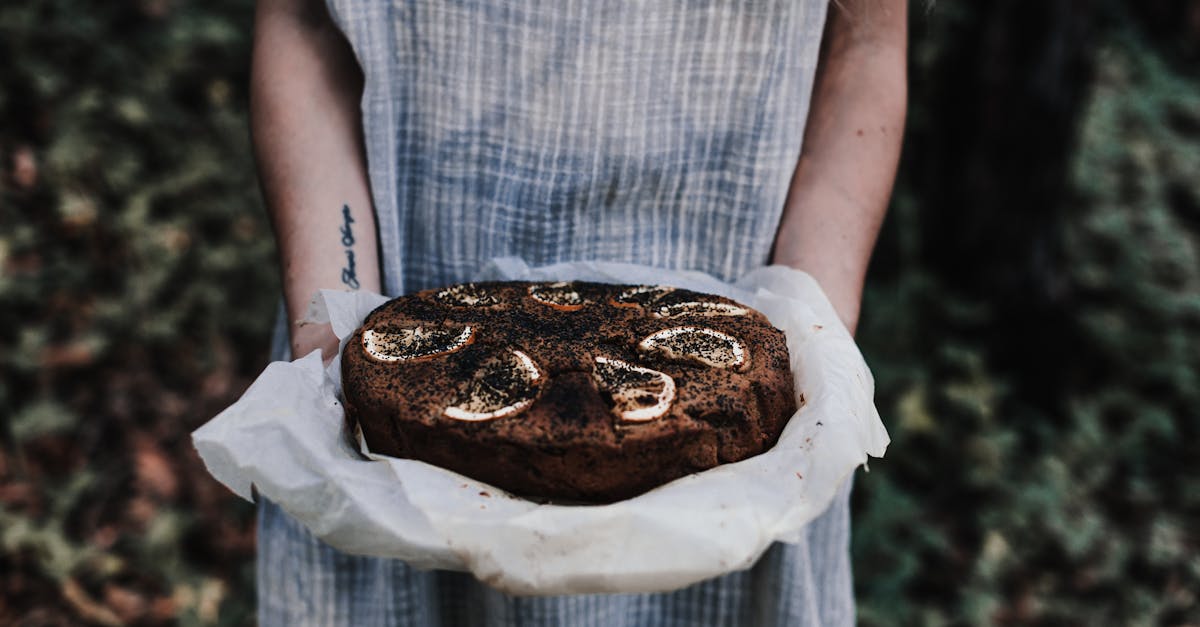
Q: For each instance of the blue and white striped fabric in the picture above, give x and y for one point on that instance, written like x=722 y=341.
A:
x=660 y=132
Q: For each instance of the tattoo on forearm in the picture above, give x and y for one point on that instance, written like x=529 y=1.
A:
x=349 y=274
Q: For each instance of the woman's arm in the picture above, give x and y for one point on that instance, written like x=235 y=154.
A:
x=843 y=181
x=307 y=132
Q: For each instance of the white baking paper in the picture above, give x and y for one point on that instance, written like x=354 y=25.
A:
x=285 y=436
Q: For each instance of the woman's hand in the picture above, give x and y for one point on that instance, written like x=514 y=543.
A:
x=843 y=180
x=310 y=336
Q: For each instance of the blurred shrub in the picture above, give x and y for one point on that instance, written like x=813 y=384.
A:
x=1043 y=403
x=1033 y=317
x=136 y=293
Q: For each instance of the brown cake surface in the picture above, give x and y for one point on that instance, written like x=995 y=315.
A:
x=575 y=391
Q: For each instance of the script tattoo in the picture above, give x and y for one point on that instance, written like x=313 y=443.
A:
x=349 y=274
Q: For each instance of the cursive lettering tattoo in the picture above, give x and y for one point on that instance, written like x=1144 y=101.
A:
x=347 y=220
x=349 y=273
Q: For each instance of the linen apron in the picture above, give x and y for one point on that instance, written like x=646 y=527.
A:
x=660 y=132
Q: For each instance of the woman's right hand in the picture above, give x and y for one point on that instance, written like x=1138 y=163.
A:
x=310 y=336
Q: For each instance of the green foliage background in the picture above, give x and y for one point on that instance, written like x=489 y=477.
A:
x=1032 y=318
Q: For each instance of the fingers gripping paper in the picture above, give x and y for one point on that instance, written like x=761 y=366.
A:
x=286 y=437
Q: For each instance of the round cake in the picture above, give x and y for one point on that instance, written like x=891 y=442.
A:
x=574 y=391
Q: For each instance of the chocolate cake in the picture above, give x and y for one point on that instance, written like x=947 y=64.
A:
x=573 y=391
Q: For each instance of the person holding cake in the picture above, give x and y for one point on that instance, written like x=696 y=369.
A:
x=403 y=143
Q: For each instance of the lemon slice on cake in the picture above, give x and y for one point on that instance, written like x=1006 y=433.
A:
x=561 y=296
x=639 y=394
x=640 y=295
x=414 y=343
x=697 y=345
x=505 y=385
x=467 y=295
x=699 y=308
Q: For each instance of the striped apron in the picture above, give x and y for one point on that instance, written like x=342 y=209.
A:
x=660 y=132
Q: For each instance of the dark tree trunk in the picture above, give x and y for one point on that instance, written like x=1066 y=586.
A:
x=1004 y=98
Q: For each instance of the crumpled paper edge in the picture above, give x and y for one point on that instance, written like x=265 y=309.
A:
x=589 y=549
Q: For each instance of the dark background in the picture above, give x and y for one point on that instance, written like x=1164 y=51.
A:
x=1032 y=317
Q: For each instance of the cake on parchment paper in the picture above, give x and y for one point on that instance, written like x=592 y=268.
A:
x=570 y=391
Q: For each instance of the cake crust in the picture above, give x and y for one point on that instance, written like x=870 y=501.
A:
x=556 y=363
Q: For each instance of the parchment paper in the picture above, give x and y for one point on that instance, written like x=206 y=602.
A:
x=285 y=436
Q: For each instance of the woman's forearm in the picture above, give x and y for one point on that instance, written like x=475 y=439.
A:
x=843 y=180
x=306 y=128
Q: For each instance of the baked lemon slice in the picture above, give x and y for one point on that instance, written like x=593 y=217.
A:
x=697 y=345
x=638 y=394
x=466 y=295
x=640 y=295
x=414 y=343
x=699 y=308
x=561 y=296
x=504 y=386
